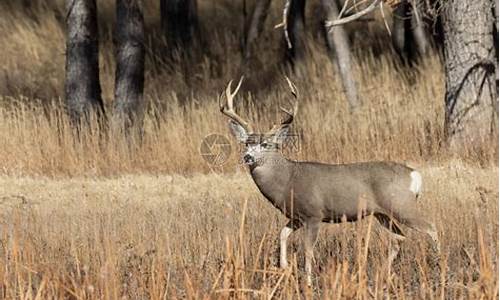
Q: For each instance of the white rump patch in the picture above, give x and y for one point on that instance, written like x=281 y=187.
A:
x=416 y=182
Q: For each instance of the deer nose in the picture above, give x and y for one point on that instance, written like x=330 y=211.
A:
x=248 y=159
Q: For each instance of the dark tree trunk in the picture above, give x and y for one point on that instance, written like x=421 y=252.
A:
x=470 y=65
x=255 y=26
x=400 y=28
x=129 y=52
x=82 y=87
x=419 y=31
x=410 y=36
x=179 y=21
x=296 y=33
x=338 y=43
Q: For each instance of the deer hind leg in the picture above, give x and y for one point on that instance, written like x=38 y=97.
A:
x=289 y=228
x=429 y=229
x=310 y=238
x=407 y=213
x=433 y=233
x=397 y=236
x=418 y=223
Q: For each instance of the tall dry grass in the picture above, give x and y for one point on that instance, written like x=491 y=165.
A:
x=214 y=236
x=399 y=122
x=100 y=216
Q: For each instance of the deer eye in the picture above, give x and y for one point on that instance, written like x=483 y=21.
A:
x=266 y=145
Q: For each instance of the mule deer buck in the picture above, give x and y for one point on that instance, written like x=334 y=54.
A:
x=310 y=193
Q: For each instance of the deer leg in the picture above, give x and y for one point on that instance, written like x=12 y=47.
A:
x=289 y=228
x=285 y=232
x=431 y=231
x=311 y=235
x=395 y=247
x=419 y=224
x=397 y=236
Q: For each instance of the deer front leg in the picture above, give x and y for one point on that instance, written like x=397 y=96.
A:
x=311 y=235
x=289 y=228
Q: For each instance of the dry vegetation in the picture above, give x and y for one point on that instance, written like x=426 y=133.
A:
x=143 y=236
x=98 y=217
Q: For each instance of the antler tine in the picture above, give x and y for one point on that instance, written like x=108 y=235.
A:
x=340 y=20
x=295 y=103
x=290 y=114
x=227 y=107
x=292 y=86
x=230 y=95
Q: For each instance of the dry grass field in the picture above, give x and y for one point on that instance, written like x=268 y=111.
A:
x=100 y=217
x=197 y=236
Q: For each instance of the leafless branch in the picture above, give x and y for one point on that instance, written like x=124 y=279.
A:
x=385 y=20
x=284 y=24
x=341 y=20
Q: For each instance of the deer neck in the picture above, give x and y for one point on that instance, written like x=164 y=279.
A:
x=272 y=174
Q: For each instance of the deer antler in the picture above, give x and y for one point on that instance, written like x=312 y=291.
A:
x=290 y=115
x=353 y=17
x=227 y=107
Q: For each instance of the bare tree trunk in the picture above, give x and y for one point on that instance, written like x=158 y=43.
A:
x=82 y=86
x=495 y=13
x=400 y=25
x=419 y=30
x=129 y=53
x=410 y=37
x=179 y=20
x=296 y=32
x=338 y=43
x=255 y=26
x=495 y=34
x=470 y=65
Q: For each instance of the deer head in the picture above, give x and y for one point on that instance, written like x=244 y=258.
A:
x=258 y=146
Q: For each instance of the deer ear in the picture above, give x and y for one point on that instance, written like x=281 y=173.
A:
x=238 y=131
x=281 y=134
